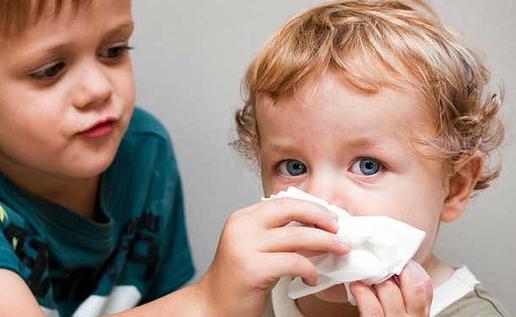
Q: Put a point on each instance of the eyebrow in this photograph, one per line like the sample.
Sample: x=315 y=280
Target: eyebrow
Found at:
x=280 y=144
x=121 y=29
x=362 y=142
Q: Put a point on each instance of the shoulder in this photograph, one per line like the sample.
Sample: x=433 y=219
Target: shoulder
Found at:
x=463 y=295
x=146 y=140
x=476 y=303
x=147 y=166
x=145 y=124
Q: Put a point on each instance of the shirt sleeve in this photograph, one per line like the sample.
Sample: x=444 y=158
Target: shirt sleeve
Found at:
x=8 y=243
x=478 y=303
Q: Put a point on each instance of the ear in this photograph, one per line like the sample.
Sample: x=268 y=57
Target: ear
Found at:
x=460 y=186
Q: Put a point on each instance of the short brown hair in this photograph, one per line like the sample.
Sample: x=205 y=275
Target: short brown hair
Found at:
x=409 y=41
x=17 y=15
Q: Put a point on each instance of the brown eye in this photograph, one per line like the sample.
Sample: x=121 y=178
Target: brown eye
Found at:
x=115 y=52
x=49 y=72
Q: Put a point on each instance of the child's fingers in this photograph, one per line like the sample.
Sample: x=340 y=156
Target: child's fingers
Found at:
x=416 y=287
x=279 y=212
x=367 y=302
x=297 y=238
x=390 y=297
x=290 y=263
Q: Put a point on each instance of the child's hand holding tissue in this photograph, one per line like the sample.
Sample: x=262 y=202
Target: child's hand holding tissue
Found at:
x=256 y=248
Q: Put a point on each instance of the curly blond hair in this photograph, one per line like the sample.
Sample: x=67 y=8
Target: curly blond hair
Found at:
x=409 y=41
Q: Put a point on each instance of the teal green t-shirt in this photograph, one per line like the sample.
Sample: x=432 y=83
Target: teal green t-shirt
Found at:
x=135 y=251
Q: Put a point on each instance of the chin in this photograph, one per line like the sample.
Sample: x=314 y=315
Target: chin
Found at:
x=334 y=294
x=93 y=167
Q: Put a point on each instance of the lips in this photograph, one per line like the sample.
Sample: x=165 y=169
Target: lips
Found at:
x=100 y=129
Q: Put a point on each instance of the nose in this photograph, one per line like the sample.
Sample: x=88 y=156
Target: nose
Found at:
x=94 y=87
x=331 y=188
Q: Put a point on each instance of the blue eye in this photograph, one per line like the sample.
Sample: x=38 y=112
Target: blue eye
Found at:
x=48 y=72
x=366 y=166
x=292 y=168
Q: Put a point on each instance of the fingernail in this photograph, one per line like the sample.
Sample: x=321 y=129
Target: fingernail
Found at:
x=312 y=282
x=416 y=271
x=343 y=241
x=335 y=223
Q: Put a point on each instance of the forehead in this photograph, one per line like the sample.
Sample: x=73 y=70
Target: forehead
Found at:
x=329 y=106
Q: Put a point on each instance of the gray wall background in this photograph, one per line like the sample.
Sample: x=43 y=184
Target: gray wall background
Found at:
x=189 y=59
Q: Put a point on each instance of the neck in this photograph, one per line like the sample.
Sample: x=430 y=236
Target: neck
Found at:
x=78 y=195
x=311 y=305
x=438 y=271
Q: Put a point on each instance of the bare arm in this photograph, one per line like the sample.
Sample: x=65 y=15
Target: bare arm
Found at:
x=255 y=250
x=188 y=301
x=16 y=299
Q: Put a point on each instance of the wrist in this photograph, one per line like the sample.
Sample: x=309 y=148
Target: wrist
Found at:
x=210 y=297
x=226 y=298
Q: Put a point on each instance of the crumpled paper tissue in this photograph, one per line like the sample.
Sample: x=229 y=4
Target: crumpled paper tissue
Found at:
x=380 y=248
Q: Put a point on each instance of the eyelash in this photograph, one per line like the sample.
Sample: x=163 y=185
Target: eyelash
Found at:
x=41 y=75
x=122 y=49
x=57 y=67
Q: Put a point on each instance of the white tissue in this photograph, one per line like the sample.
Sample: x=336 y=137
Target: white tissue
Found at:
x=380 y=248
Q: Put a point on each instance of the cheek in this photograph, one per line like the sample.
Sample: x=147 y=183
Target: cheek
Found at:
x=125 y=81
x=270 y=186
x=123 y=97
x=33 y=122
x=122 y=84
x=420 y=206
x=36 y=144
x=127 y=113
x=416 y=203
x=129 y=91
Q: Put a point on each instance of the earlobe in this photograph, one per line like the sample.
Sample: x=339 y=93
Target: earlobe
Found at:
x=460 y=186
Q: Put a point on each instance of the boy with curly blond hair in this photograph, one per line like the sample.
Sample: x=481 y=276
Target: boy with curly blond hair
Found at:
x=380 y=109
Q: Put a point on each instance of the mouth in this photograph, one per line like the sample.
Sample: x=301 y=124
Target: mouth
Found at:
x=99 y=129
